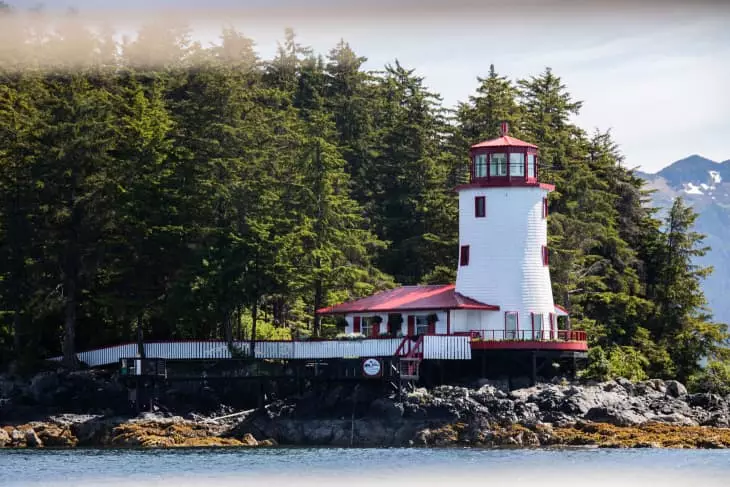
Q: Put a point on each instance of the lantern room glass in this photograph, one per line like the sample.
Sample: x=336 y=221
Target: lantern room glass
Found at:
x=480 y=166
x=517 y=164
x=498 y=164
x=530 y=165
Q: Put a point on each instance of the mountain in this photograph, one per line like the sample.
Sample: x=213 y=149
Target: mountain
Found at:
x=704 y=184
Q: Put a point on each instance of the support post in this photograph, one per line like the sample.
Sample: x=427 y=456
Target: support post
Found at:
x=534 y=368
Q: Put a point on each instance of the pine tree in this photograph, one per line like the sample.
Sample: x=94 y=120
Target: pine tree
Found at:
x=682 y=323
x=78 y=136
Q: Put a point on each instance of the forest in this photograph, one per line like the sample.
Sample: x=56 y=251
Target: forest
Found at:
x=156 y=186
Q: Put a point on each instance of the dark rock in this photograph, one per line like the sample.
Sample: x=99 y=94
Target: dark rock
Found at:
x=717 y=420
x=626 y=384
x=675 y=388
x=43 y=387
x=706 y=401
x=615 y=416
x=32 y=440
x=386 y=409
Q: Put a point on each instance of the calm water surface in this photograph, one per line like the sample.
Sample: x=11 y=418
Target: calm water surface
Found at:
x=360 y=467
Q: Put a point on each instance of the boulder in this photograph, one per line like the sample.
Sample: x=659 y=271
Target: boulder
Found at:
x=43 y=387
x=32 y=440
x=614 y=415
x=4 y=438
x=675 y=389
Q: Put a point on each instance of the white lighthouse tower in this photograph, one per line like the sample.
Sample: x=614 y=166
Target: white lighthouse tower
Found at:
x=503 y=257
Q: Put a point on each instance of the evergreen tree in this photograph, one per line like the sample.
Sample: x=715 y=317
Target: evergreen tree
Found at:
x=682 y=324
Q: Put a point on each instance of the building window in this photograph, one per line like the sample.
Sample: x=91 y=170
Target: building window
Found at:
x=498 y=165
x=480 y=206
x=517 y=164
x=530 y=165
x=370 y=326
x=366 y=326
x=464 y=258
x=480 y=166
x=544 y=207
x=424 y=326
x=545 y=255
x=537 y=325
x=511 y=325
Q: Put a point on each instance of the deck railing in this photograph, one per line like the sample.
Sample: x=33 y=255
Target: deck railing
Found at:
x=527 y=335
x=433 y=347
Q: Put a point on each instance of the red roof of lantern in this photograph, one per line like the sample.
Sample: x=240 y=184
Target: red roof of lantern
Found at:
x=406 y=298
x=504 y=141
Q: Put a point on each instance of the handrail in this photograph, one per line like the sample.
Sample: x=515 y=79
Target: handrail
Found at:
x=527 y=335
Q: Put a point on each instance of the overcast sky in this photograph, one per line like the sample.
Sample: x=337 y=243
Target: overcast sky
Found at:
x=657 y=74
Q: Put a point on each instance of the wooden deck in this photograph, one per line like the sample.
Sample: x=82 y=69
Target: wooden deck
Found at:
x=430 y=347
x=442 y=347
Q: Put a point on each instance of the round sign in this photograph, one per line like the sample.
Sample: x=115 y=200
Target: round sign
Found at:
x=371 y=367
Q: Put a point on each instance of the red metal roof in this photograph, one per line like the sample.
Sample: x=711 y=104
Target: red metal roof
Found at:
x=503 y=141
x=406 y=298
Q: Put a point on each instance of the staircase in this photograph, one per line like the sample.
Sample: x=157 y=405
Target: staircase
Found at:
x=410 y=355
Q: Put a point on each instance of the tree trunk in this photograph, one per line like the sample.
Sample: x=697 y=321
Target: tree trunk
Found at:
x=140 y=339
x=254 y=313
x=228 y=328
x=69 y=325
x=17 y=344
x=317 y=304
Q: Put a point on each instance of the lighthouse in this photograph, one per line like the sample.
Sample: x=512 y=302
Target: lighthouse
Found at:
x=503 y=247
x=502 y=296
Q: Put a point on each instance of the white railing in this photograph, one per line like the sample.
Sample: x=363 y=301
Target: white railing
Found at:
x=445 y=347
x=434 y=347
x=189 y=350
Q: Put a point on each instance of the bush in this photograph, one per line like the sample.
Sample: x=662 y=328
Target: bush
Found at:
x=714 y=378
x=620 y=361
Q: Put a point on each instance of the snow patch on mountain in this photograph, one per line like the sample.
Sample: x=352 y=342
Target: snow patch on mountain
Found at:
x=692 y=189
x=715 y=177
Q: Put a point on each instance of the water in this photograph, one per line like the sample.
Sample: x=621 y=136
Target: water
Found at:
x=364 y=467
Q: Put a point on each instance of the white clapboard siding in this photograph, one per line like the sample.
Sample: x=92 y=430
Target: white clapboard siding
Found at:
x=446 y=347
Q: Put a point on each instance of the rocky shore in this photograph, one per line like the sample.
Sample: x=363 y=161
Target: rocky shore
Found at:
x=614 y=414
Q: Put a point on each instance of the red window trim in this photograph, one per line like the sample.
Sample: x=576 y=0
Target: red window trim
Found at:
x=480 y=202
x=545 y=255
x=411 y=325
x=356 y=324
x=532 y=323
x=464 y=256
x=552 y=325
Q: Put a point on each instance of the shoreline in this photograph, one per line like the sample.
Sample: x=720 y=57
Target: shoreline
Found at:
x=138 y=434
x=612 y=414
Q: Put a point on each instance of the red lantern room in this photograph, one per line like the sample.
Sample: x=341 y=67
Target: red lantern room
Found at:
x=504 y=161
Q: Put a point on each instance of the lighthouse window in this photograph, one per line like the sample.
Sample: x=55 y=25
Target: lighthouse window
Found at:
x=498 y=165
x=510 y=325
x=480 y=206
x=516 y=164
x=464 y=258
x=480 y=166
x=537 y=324
x=530 y=165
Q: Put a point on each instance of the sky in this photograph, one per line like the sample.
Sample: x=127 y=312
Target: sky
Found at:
x=656 y=73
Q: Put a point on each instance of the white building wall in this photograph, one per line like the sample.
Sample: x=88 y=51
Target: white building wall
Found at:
x=505 y=255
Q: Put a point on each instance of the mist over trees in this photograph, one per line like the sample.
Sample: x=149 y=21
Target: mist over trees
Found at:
x=182 y=191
